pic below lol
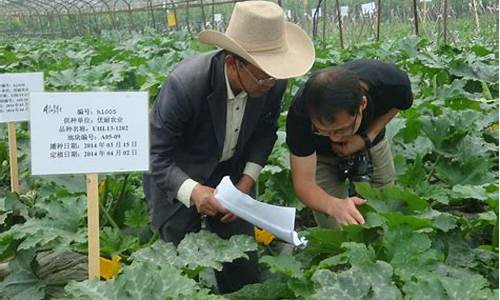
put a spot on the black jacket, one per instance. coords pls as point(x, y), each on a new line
point(187, 128)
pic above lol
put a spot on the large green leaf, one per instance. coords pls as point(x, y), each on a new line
point(284, 264)
point(114, 242)
point(59, 225)
point(91, 289)
point(367, 279)
point(356, 254)
point(270, 289)
point(425, 288)
point(479, 192)
point(157, 271)
point(439, 220)
point(391, 198)
point(346, 285)
point(474, 146)
point(459, 252)
point(461, 284)
point(23, 283)
point(137, 216)
point(202, 249)
point(409, 252)
point(138, 281)
point(475, 171)
point(397, 219)
point(206, 249)
point(473, 68)
point(160, 253)
point(329, 241)
point(72, 183)
point(416, 149)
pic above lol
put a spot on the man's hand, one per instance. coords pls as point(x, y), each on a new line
point(228, 218)
point(344, 210)
point(245, 185)
point(206, 204)
point(348, 145)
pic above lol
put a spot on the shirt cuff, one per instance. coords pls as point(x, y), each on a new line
point(252, 170)
point(184, 192)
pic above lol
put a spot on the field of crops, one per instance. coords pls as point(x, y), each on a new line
point(433, 235)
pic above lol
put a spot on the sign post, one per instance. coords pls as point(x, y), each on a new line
point(93, 225)
point(14, 107)
point(14, 179)
point(89, 133)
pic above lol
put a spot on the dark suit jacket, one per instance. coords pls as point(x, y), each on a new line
point(187, 127)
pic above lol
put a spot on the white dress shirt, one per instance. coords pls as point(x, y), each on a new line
point(234, 116)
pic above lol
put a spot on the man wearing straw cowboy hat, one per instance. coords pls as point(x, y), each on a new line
point(216, 115)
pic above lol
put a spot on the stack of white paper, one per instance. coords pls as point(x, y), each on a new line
point(278, 220)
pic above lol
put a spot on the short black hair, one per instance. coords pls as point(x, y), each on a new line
point(330, 91)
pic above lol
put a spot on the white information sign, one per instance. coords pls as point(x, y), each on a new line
point(14, 95)
point(89, 132)
point(218, 17)
point(368, 8)
point(344, 11)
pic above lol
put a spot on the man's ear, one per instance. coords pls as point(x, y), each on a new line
point(230, 59)
point(363, 103)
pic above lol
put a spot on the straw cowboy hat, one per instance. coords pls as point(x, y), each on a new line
point(258, 33)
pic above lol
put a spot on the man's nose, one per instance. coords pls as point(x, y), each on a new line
point(334, 137)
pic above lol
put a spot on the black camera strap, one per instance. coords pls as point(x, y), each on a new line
point(366, 140)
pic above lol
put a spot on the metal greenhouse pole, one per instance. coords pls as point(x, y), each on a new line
point(339, 21)
point(445, 21)
point(379, 9)
point(415, 15)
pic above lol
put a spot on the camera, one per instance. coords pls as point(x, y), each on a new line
point(356, 168)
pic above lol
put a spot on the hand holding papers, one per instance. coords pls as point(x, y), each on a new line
point(279, 220)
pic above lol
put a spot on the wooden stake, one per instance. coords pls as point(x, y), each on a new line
point(14, 178)
point(476, 16)
point(93, 225)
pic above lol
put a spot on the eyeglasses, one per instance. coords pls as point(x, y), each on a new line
point(259, 82)
point(345, 132)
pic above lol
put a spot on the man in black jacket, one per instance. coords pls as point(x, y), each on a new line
point(217, 115)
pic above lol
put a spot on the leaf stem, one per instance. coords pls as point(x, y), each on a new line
point(108, 217)
point(433, 169)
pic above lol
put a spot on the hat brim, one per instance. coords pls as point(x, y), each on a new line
point(296, 60)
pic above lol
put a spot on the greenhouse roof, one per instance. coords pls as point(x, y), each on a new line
point(28, 7)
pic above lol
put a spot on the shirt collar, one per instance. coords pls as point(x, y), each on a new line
point(230, 93)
